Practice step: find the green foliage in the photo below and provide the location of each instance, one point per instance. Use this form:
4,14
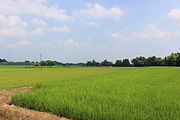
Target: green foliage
93,63
173,59
107,94
43,63
118,63
139,61
5,62
154,61
47,63
16,63
106,63
126,63
122,63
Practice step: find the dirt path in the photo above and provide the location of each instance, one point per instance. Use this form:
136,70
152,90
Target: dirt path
11,112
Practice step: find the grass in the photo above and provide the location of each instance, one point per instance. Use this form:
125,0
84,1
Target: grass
12,76
150,93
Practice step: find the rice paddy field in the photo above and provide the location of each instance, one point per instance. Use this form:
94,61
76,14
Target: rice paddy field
90,93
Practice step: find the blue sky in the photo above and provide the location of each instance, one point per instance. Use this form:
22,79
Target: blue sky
77,31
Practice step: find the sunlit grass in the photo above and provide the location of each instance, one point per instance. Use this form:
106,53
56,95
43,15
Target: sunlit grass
106,93
17,76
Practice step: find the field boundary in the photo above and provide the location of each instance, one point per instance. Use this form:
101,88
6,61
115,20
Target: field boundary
9,111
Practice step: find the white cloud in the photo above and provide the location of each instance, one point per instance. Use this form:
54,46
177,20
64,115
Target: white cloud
2,40
152,31
47,44
19,43
98,11
34,7
93,23
38,30
12,21
11,46
38,22
73,43
88,38
141,35
27,43
174,13
41,30
103,46
61,29
126,28
16,31
114,34
12,26
24,42
178,24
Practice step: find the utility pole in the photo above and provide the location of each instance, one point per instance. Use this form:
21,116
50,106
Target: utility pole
40,57
40,60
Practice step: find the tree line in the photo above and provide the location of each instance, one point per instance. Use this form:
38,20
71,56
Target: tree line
41,63
172,60
3,60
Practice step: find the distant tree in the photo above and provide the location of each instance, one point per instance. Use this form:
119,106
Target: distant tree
151,61
178,60
47,63
50,63
81,64
106,63
92,63
126,63
88,63
58,63
173,59
118,63
3,60
160,61
43,63
139,61
35,64
165,61
155,61
27,61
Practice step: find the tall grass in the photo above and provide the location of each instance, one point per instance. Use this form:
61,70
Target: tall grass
125,94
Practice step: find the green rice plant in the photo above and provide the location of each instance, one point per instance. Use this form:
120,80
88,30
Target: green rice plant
149,93
13,76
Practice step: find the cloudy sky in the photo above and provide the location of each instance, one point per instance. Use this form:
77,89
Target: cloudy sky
81,30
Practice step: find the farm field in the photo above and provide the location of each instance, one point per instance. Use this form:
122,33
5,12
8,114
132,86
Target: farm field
81,93
12,76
